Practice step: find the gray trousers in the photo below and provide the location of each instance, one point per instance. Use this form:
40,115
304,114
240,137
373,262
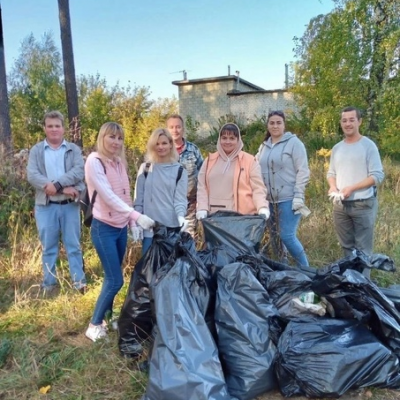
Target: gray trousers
354,224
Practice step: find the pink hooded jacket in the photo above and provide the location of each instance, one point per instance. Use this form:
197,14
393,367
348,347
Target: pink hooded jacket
249,191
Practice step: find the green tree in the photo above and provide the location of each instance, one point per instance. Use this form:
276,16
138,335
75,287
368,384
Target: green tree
130,105
348,57
155,117
35,87
96,105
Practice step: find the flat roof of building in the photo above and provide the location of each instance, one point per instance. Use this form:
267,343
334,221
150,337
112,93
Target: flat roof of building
217,79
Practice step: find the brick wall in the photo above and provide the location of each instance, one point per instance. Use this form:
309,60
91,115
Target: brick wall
207,100
257,104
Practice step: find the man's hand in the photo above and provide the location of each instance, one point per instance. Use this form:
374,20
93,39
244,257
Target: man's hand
332,190
50,189
346,192
71,191
336,197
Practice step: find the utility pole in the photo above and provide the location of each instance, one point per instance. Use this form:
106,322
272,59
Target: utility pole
5,124
69,72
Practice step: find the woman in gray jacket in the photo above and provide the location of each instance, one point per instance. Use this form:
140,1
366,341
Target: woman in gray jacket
285,171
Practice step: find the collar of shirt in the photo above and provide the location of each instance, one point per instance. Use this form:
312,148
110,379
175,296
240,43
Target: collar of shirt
181,147
62,144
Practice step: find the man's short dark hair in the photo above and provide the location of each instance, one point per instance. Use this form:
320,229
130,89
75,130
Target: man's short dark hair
358,112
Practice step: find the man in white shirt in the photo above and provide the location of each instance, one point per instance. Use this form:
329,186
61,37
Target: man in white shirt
354,172
56,171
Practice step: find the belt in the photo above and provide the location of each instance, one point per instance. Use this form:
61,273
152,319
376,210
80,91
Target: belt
358,200
62,202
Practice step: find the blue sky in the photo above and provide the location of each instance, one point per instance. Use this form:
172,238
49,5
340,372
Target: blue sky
145,43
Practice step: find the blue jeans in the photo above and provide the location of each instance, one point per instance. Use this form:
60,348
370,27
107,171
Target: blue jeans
110,244
284,223
51,221
146,243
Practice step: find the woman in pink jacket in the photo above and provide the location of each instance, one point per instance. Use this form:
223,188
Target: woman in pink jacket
106,174
230,179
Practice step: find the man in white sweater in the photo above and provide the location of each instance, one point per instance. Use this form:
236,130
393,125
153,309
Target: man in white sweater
354,172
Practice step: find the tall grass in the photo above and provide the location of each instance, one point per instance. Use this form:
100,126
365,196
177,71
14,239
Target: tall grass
42,345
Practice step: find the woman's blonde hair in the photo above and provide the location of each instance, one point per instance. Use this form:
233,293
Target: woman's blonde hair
109,129
151,154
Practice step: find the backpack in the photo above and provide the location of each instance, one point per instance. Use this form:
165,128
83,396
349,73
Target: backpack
86,203
147,167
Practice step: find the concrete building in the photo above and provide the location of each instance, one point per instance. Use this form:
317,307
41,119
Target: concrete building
206,100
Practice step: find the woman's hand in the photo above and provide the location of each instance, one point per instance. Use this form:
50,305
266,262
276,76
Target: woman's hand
183,223
201,214
264,211
145,222
137,233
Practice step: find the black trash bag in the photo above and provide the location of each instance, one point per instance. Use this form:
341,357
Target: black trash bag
227,236
278,266
184,364
353,296
242,316
216,257
136,320
240,232
287,290
323,357
392,293
382,262
262,272
185,249
358,261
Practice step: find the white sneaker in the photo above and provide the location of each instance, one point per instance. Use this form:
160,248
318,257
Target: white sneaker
114,324
95,332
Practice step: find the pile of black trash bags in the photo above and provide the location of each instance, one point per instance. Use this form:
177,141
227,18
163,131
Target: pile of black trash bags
228,323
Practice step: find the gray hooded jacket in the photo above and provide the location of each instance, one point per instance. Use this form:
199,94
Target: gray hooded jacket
284,167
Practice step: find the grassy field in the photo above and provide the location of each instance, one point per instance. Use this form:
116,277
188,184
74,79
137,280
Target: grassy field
43,351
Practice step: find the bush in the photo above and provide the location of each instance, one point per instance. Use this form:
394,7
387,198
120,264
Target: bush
17,196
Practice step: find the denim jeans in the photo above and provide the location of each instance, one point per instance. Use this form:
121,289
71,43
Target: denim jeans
146,243
283,224
110,244
51,221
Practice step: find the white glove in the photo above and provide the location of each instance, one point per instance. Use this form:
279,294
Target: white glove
264,211
336,197
183,223
145,222
299,207
201,214
137,233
